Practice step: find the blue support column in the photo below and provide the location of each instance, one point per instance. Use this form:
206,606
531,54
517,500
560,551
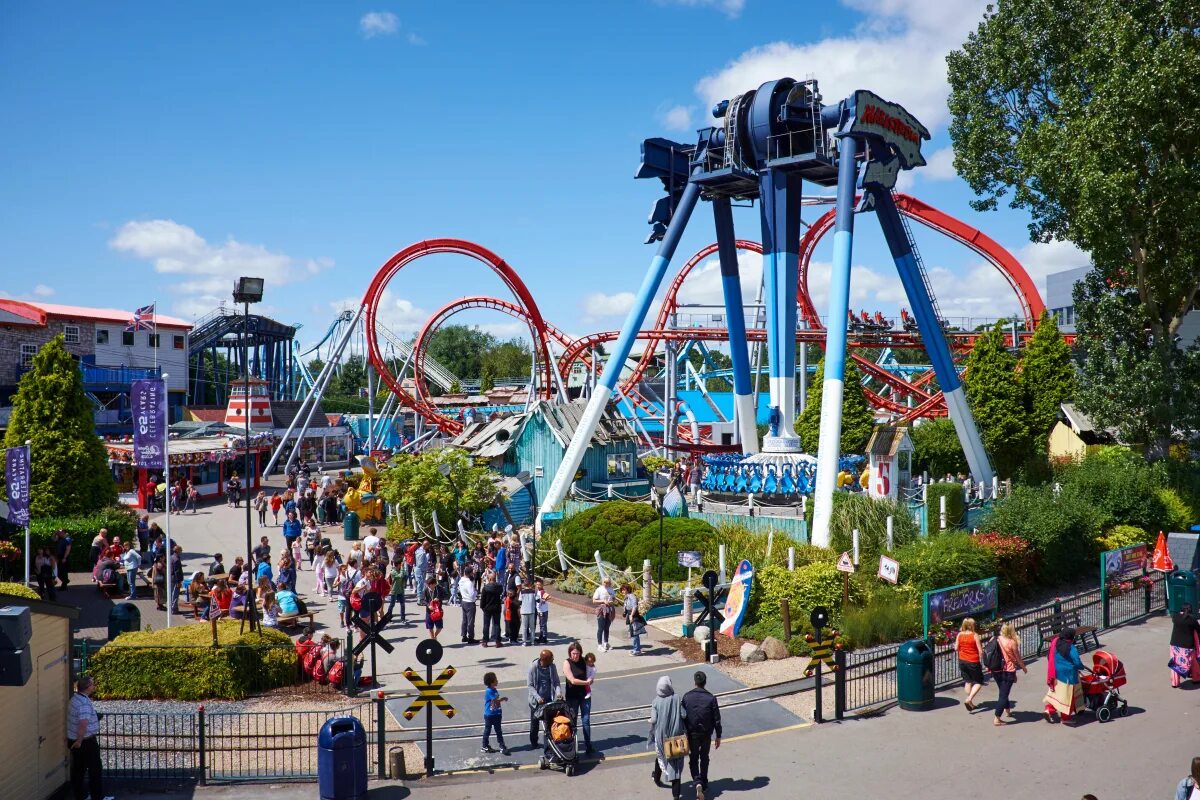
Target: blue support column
780,194
735,316
829,447
607,385
933,336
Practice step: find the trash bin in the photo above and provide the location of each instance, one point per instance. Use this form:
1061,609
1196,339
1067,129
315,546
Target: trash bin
914,675
342,759
350,525
1181,589
123,617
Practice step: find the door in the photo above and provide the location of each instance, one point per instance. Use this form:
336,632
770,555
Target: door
51,676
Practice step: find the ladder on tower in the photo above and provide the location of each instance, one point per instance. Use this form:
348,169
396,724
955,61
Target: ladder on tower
912,245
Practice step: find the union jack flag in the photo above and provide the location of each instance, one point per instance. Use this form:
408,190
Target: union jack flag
142,319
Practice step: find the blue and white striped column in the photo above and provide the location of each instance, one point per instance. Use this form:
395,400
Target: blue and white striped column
735,315
607,385
829,448
933,337
780,195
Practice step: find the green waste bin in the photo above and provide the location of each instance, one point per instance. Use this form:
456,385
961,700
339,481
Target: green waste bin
914,675
123,617
350,525
1181,589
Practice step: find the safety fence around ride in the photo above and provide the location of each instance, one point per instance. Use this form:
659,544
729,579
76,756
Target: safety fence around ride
867,679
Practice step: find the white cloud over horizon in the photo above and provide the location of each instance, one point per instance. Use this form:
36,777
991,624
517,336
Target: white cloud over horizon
677,118
378,23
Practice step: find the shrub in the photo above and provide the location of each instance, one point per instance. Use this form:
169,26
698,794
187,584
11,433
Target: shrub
1121,488
1015,559
1177,515
869,515
955,504
656,463
742,543
1061,529
1119,536
936,449
679,533
18,590
888,617
816,584
180,663
82,528
607,527
944,560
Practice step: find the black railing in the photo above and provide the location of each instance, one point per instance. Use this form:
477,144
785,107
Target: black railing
869,679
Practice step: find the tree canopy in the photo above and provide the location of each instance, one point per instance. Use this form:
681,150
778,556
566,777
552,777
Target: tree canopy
415,484
1088,112
858,420
68,465
936,448
1048,375
997,401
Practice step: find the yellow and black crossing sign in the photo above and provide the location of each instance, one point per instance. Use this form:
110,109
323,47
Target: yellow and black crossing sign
431,693
822,651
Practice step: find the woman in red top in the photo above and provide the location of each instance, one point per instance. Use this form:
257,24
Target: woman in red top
114,550
222,595
969,647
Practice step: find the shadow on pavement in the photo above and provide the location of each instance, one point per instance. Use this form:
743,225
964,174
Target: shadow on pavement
723,785
389,792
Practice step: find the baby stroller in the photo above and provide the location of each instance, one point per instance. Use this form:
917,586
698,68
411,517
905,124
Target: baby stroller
1101,693
558,727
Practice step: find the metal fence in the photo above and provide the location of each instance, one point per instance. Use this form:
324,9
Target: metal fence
228,746
869,678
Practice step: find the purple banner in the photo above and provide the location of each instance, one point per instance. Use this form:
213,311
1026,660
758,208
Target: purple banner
16,475
149,401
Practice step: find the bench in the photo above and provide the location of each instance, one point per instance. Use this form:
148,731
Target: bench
292,620
1050,626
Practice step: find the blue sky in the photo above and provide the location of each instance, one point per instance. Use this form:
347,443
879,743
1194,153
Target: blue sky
158,150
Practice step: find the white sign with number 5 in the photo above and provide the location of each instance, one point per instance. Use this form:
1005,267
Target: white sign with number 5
889,569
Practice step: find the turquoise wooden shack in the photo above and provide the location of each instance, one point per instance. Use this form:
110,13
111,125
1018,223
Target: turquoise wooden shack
530,445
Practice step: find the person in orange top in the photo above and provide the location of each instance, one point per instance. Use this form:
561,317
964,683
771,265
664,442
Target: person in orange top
222,595
969,648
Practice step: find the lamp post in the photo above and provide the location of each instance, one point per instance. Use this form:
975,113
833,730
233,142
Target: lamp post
661,484
247,291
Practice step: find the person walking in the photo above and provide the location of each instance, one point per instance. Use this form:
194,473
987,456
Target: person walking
491,598
575,675
433,608
633,618
83,726
604,599
62,552
468,596
260,505
175,565
1185,642
493,714
1010,650
396,580
969,648
543,612
528,599
1062,676
543,686
703,727
668,720
421,566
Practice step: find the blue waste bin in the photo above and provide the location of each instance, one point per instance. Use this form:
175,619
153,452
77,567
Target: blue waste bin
350,526
342,759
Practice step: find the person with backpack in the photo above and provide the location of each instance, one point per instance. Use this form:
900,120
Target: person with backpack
1002,658
969,649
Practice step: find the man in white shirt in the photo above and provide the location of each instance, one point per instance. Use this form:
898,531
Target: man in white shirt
372,540
468,596
83,724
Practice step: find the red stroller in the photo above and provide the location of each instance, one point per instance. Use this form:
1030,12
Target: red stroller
1101,693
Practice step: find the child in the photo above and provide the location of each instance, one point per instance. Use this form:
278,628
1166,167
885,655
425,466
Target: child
543,611
492,711
512,616
297,555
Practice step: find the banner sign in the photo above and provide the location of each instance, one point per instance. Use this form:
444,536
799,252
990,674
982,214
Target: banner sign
889,569
688,558
149,401
1126,561
965,600
16,475
893,124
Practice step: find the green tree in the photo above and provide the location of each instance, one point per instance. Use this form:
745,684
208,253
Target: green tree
415,484
487,378
509,359
461,349
858,420
455,387
1088,111
936,448
997,401
68,465
1048,375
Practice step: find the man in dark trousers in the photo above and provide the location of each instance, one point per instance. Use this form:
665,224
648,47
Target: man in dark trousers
703,722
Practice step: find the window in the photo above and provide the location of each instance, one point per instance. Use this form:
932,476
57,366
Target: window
71,334
127,338
101,335
28,351
152,339
620,466
177,342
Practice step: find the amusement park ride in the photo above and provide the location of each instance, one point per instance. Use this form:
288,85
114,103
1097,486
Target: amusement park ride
766,143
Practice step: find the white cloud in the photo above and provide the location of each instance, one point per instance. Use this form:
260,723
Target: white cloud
731,8
598,305
210,269
414,39
1042,258
378,23
900,53
939,166
677,118
42,290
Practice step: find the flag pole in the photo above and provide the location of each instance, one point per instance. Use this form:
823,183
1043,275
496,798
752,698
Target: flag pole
28,515
167,495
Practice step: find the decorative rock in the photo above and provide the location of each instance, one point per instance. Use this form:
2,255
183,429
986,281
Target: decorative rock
700,634
774,649
752,653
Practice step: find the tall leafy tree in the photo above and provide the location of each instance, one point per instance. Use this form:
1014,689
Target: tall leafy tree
858,420
1048,375
1088,112
997,401
936,448
69,468
416,485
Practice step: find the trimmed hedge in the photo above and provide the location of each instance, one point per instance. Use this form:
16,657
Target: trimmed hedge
816,584
181,664
944,560
119,520
607,527
679,533
17,590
